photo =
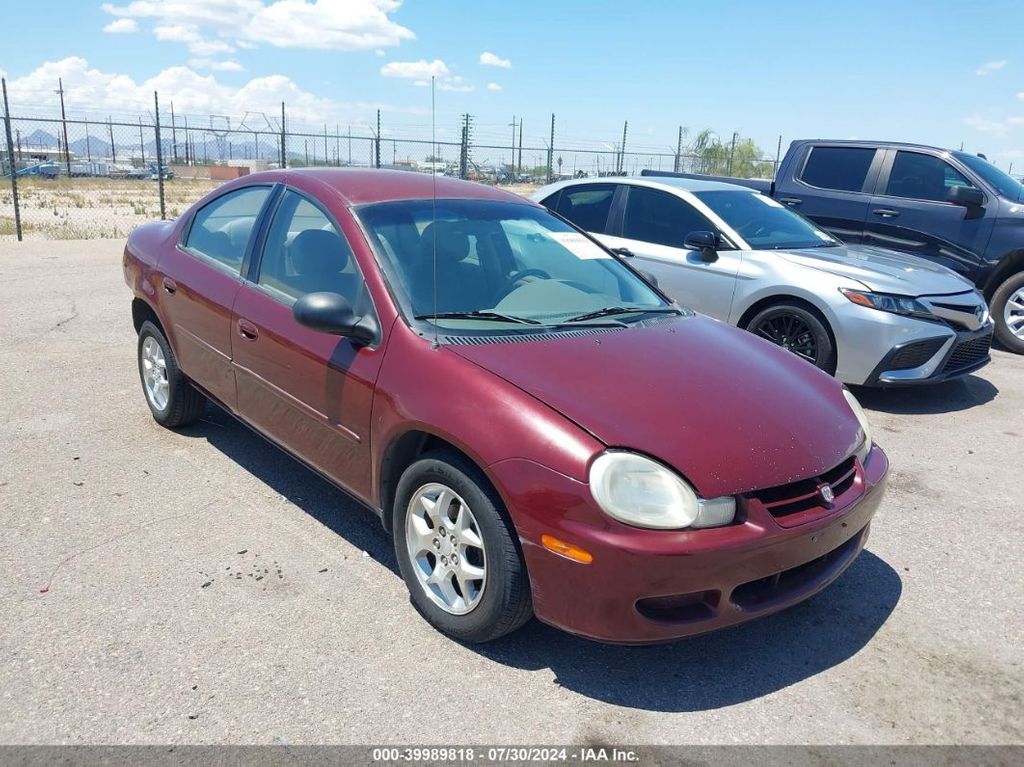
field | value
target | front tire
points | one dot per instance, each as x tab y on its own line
172	399
456	549
797	330
1008	313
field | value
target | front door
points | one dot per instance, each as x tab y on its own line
309	391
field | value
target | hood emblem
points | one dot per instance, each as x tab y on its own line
981	312
825	491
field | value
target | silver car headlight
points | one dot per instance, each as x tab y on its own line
865	427
639	491
885	302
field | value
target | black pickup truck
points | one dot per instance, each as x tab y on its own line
950	207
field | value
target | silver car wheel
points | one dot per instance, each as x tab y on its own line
154	373
446	548
1013	313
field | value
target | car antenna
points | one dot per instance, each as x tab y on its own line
433	204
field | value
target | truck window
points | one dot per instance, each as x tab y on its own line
922	177
587	206
838	167
660	218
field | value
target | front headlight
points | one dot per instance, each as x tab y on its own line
865	445
884	302
639	491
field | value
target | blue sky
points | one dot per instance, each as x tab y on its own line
938	72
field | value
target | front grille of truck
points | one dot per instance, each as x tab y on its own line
802	501
968	353
915	354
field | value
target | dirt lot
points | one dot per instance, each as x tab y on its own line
201	587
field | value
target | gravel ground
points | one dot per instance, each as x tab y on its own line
201	587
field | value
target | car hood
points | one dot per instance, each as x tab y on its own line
729	411
885	271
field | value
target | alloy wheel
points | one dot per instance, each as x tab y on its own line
154	373
791	333
446	548
1013	313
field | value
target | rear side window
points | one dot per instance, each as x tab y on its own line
922	177
221	230
587	206
660	218
838	167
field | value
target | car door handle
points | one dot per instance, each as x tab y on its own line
624	252
886	212
247	330
170	286
791	201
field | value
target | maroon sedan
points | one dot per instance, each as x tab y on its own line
542	431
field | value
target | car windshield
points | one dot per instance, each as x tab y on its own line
499	266
1003	183
764	223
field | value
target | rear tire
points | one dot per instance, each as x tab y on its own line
172	399
1008	313
427	530
796	329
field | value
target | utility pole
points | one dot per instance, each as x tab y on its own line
520	163
284	156
622	151
174	137
467	127
159	157
778	153
551	148
377	143
64	122
732	152
679	153
512	158
113	151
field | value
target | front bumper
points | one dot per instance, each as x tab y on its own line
945	358
648	586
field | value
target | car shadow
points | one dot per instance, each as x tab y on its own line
928	399
706	672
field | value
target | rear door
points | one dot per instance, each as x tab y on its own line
310	392
653	226
910	212
832	186
199	281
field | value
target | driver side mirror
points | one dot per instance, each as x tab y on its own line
968	196
706	242
332	313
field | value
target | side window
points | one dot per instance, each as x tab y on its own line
922	177
587	206
838	167
305	253
661	218
221	230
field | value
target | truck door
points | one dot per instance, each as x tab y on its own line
910	212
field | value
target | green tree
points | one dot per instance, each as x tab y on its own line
709	155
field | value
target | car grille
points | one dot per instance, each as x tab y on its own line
802	501
915	354
968	353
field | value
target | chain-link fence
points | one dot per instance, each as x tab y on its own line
78	178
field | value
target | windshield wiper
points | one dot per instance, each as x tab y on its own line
608	311
476	315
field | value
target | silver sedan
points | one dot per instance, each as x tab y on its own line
866	315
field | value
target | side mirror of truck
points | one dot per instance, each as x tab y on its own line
968	196
706	242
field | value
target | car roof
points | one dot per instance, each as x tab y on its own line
654	182
360	186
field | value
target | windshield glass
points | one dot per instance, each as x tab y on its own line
1005	184
499	265
764	223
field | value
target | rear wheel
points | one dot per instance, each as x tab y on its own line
456	550
797	330
172	399
1008	313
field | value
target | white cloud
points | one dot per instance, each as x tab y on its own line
456	84
415	70
989	66
985	124
327	24
493	87
100	93
489	59
121	27
229	65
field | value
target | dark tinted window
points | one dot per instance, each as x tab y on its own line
1004	184
838	167
305	253
221	230
587	206
661	218
922	177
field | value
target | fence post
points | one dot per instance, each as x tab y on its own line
284	162
377	143
159	158
64	122
551	149
12	161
